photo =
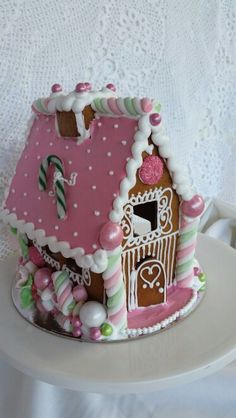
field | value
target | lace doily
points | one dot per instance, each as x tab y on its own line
181	53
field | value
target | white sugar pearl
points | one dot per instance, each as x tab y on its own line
111	173
38	157
51	144
25	213
75	205
94	187
96	213
39	220
109	154
56	227
92	314
26	174
124	142
99	124
88	151
90	168
70	162
75	234
104	138
116	126
25	194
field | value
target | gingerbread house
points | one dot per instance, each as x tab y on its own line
97	192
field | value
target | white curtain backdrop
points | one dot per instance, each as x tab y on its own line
182	52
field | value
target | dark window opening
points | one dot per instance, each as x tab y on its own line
67	125
145	218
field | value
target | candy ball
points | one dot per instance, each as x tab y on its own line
106	329
95	333
151	170
56	88
92	314
88	86
42	278
76	332
80	293
36	257
80	88
193	207
111	86
76	323
111	235
155	119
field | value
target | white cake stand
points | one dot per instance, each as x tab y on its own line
199	345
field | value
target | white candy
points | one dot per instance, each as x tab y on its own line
92	314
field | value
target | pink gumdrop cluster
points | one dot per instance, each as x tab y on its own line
193	207
36	257
76	326
83	87
151	170
111	87
42	278
95	333
111	236
56	88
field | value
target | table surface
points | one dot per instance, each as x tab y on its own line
196	347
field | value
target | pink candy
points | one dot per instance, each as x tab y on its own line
42	278
80	293
151	170
111	86
95	333
193	207
146	105
76	332
82	87
111	236
56	88
155	119
36	257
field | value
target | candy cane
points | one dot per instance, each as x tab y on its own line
115	290
63	290
127	106
59	183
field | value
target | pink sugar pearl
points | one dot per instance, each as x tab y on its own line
76	322
56	88
42	278
80	87
111	86
155	119
95	333
111	235
193	207
76	332
80	293
151	170
36	257
88	86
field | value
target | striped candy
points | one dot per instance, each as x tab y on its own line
115	290
127	106
185	251
41	106
63	290
59	183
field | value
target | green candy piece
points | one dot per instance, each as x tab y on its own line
26	299
23	246
13	230
157	107
202	277
106	329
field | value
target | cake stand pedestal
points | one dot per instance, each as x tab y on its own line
196	347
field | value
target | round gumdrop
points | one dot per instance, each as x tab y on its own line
80	293
193	207
92	314
151	170
106	329
42	278
111	235
36	257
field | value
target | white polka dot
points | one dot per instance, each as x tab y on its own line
94	246
48	130
70	162
124	142
13	190
25	213
40	221
128	158
88	151
104	138
96	213
94	187
67	147
51	144
116	126
37	143
26	174
26	156
75	205
39	197
56	227
114	194
13	209
37	129
90	168
38	157
99	124
111	173
161	290
109	154
25	194
75	234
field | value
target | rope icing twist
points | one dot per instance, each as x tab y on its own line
59	182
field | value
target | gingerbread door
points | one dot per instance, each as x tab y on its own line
151	282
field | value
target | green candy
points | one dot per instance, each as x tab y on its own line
26	298
23	246
13	230
106	329
202	279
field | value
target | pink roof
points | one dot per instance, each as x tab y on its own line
100	166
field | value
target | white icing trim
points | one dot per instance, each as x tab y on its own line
135	332
97	262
